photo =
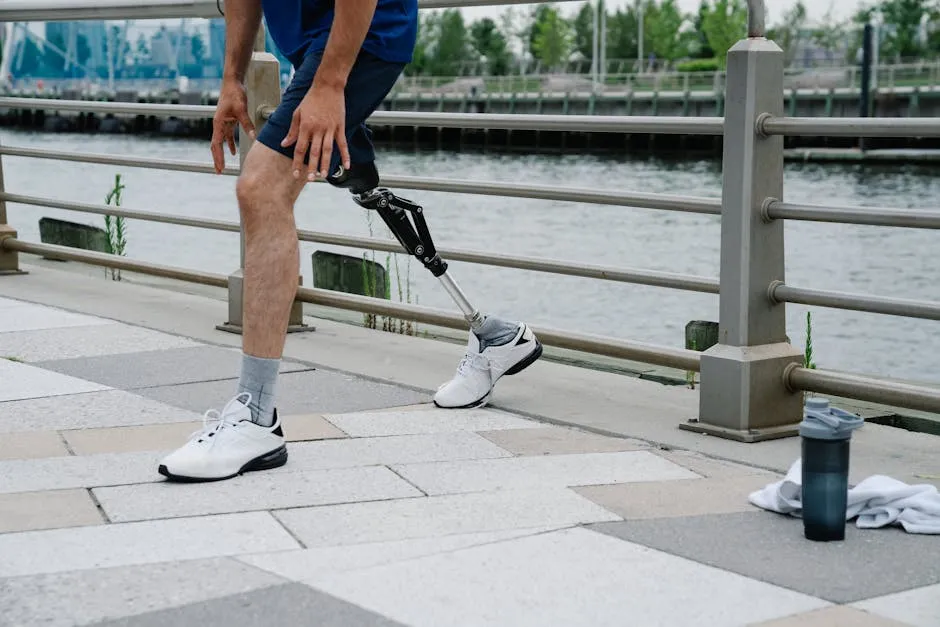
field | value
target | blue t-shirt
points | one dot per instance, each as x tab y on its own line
299	27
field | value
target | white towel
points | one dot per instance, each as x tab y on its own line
877	501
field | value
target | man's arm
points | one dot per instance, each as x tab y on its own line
242	20
350	24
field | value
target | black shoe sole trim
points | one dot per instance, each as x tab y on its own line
480	402
530	359
274	459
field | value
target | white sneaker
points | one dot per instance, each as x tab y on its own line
230	447
478	371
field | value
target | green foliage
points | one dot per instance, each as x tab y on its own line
115	226
583	27
662	24
698	65
725	24
552	37
808	351
789	32
490	43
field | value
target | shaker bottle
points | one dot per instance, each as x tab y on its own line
826	432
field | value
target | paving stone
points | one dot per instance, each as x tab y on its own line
529	472
710	467
309	565
104	546
663	499
160	367
559	441
253	491
32	445
87	341
112	408
400	449
427	420
28	317
79	471
47	510
88	596
431	517
919	607
20	381
160	437
837	616
315	391
288	604
530	581
771	547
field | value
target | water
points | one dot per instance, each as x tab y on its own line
871	260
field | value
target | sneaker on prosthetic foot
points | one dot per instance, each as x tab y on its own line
231	446
480	369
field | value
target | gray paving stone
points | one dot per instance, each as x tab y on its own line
254	491
22	316
19	381
51	509
159	368
113	408
126	544
426	419
544	471
87	341
835	616
315	391
771	547
32	445
80	471
288	604
437	516
88	596
919	607
566	577
559	441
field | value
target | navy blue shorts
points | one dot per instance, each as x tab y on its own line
369	82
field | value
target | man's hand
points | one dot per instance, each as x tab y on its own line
318	122
232	109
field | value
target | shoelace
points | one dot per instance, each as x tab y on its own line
473	361
220	419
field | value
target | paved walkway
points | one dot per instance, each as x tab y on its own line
389	512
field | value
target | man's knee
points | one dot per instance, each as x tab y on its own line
265	183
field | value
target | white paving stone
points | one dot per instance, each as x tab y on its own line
431	517
112	408
405	449
308	565
568	577
89	596
427	420
579	469
87	341
29	317
20	381
103	546
253	491
82	471
919	607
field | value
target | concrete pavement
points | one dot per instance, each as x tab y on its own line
574	500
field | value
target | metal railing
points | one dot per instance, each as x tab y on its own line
751	382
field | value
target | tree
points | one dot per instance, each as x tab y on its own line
490	43
583	26
830	34
198	48
724	25
661	30
552	43
142	55
622	29
789	32
903	19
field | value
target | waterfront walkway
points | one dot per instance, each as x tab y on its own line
573	500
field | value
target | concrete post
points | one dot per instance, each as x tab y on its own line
743	396
9	259
263	87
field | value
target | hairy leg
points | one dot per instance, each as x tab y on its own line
266	193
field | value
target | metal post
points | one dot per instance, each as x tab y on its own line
9	259
743	396
263	87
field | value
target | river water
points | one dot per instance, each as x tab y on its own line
871	260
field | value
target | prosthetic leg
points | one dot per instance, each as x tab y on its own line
397	213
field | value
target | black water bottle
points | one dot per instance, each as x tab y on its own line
826	433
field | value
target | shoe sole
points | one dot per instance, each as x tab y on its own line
521	365
274	459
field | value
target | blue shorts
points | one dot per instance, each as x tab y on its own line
369	82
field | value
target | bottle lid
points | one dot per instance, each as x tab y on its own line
824	422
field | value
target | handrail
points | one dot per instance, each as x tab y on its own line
596	344
768	125
755	18
553	266
891	393
616	197
68	10
781	293
904	218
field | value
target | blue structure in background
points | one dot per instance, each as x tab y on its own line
118	51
